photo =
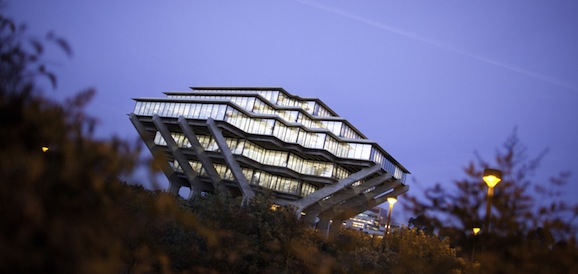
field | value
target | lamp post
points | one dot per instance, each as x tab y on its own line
476	230
391	201
492	177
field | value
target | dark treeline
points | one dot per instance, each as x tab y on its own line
65	210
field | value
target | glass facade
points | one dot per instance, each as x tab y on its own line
275	126
291	119
258	106
263	156
273	96
257	177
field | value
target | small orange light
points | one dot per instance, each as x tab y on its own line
44	149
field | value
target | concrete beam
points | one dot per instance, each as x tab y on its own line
401	189
148	139
351	204
324	227
313	211
244	186
174	188
179	156
321	193
202	155
338	216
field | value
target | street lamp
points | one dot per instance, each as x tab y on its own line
476	230
492	177
391	201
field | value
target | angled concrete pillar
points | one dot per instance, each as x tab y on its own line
174	188
202	155
314	210
400	189
150	144
324	227
321	193
179	156
244	186
338	219
354	206
352	203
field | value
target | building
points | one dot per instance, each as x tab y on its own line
252	140
370	221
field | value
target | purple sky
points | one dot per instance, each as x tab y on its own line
430	81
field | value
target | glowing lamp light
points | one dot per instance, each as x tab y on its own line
492	177
44	149
274	207
476	230
391	201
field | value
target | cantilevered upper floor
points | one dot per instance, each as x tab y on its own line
248	140
307	122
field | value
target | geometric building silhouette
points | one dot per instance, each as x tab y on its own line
252	140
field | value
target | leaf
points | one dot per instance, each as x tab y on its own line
64	46
52	77
37	46
60	42
9	23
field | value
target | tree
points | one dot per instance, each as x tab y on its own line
61	202
518	221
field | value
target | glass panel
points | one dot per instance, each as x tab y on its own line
137	108
156	107
186	110
221	112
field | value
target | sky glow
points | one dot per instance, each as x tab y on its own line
440	45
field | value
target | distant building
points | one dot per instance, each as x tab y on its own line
370	221
250	140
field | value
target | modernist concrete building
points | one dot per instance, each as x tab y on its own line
255	140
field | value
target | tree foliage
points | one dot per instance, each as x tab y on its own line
524	213
59	192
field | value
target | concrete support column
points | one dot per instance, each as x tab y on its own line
359	204
179	156
334	228
372	203
174	188
148	139
244	186
354	202
321	193
202	155
343	195
324	226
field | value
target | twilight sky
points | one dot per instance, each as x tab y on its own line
430	81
